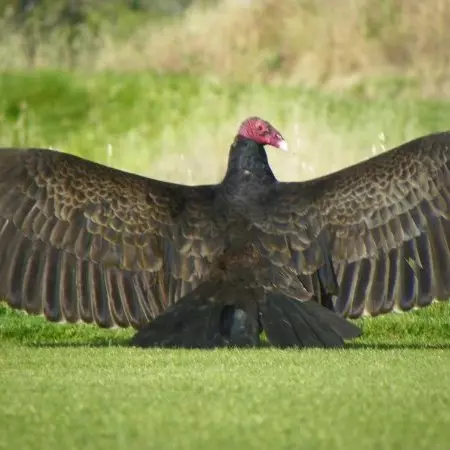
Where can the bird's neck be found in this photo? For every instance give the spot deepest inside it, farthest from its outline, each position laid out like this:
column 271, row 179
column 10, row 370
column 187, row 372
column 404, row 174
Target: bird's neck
column 248, row 163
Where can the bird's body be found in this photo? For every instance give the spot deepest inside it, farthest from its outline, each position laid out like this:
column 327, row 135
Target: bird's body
column 243, row 192
column 213, row 265
column 241, row 277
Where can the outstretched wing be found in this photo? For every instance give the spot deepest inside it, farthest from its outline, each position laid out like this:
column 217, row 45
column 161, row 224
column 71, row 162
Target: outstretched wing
column 83, row 242
column 382, row 225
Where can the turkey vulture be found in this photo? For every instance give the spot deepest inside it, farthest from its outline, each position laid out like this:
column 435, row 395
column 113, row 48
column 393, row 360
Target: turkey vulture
column 83, row 242
column 212, row 265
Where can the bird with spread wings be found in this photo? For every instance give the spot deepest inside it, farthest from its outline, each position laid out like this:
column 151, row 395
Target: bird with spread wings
column 213, row 265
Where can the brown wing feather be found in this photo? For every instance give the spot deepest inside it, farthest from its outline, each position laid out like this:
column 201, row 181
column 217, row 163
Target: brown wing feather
column 385, row 223
column 83, row 242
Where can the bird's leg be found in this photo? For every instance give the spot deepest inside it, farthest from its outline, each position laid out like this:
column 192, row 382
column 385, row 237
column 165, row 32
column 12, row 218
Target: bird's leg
column 240, row 323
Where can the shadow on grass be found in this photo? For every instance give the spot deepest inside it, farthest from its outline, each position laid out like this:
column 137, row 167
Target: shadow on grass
column 125, row 343
column 397, row 346
column 76, row 344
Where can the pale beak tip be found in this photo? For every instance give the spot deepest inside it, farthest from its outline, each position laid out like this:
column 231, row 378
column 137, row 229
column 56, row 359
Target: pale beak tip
column 283, row 146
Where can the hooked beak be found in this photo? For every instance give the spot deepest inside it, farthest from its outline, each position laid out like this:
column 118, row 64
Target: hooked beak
column 282, row 145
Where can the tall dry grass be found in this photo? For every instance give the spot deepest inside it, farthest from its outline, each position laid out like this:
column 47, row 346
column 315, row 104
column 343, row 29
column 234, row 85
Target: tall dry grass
column 332, row 43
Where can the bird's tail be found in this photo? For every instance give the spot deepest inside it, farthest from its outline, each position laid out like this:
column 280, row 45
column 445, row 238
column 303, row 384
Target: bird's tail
column 208, row 317
column 218, row 315
column 292, row 323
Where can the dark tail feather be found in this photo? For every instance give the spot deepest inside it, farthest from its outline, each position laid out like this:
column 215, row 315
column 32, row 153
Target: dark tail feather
column 210, row 316
column 341, row 326
column 291, row 323
column 192, row 322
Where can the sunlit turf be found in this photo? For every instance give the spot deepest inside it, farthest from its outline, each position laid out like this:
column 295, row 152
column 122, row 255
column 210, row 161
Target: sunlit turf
column 76, row 386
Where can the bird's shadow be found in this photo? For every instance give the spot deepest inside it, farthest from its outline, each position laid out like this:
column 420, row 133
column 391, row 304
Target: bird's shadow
column 397, row 346
column 122, row 343
column 81, row 344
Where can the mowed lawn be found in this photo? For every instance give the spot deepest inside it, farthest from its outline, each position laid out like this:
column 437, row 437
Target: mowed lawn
column 75, row 386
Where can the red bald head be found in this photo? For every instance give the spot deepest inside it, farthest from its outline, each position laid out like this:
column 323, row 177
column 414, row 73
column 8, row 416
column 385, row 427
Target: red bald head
column 262, row 132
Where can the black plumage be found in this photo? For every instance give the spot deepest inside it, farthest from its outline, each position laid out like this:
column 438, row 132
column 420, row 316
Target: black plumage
column 212, row 265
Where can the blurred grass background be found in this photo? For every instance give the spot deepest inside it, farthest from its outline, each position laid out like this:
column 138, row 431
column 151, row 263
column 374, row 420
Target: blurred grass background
column 160, row 86
column 329, row 43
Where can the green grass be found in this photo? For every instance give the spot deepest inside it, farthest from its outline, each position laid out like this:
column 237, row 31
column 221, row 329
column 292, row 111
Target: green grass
column 75, row 386
column 82, row 387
